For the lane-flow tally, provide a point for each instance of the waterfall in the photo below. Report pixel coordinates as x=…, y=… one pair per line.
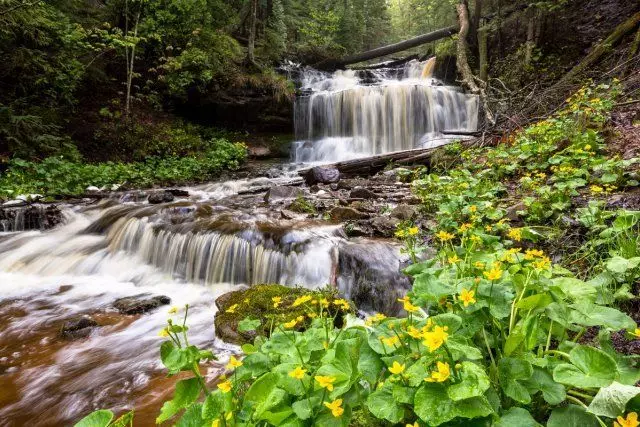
x=350, y=114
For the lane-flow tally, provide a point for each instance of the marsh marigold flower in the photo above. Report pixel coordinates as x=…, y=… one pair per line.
x=444, y=236
x=467, y=297
x=232, y=309
x=233, y=363
x=173, y=310
x=164, y=332
x=225, y=386
x=494, y=274
x=290, y=324
x=390, y=341
x=301, y=300
x=636, y=333
x=441, y=375
x=297, y=373
x=335, y=407
x=413, y=231
x=515, y=234
x=325, y=381
x=276, y=301
x=630, y=421
x=396, y=368
x=434, y=339
x=453, y=259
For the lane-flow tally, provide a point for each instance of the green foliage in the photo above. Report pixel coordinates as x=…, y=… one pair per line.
x=301, y=205
x=58, y=176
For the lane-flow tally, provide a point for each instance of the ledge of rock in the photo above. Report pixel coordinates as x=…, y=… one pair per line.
x=139, y=304
x=78, y=327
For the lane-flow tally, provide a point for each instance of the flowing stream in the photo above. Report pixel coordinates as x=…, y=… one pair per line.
x=218, y=238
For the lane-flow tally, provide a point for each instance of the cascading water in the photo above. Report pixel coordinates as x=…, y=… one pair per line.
x=222, y=236
x=350, y=114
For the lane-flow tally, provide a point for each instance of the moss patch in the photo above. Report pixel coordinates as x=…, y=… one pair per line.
x=257, y=302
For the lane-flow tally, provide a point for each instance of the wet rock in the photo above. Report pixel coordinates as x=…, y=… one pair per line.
x=32, y=217
x=160, y=197
x=404, y=212
x=178, y=192
x=344, y=213
x=362, y=193
x=281, y=193
x=358, y=229
x=628, y=200
x=512, y=211
x=287, y=214
x=384, y=226
x=139, y=304
x=321, y=175
x=259, y=152
x=79, y=327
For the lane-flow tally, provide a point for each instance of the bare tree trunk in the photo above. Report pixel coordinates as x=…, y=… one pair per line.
x=131, y=60
x=530, y=44
x=468, y=79
x=483, y=57
x=252, y=32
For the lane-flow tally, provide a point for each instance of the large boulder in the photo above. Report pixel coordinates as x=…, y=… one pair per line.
x=282, y=193
x=384, y=226
x=139, y=304
x=404, y=212
x=345, y=213
x=321, y=175
x=160, y=197
x=362, y=193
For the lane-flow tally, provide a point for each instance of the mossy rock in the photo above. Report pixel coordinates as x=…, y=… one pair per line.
x=256, y=302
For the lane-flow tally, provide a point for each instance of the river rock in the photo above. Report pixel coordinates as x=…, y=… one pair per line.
x=78, y=327
x=362, y=193
x=404, y=212
x=358, y=229
x=282, y=193
x=160, y=197
x=178, y=192
x=139, y=304
x=384, y=226
x=321, y=175
x=512, y=211
x=344, y=213
x=259, y=152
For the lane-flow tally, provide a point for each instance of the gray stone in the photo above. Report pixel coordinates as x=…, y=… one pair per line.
x=321, y=175
x=78, y=327
x=282, y=193
x=404, y=212
x=384, y=226
x=362, y=193
x=160, y=197
x=139, y=304
x=343, y=213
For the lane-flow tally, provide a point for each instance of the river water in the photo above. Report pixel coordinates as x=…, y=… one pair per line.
x=219, y=237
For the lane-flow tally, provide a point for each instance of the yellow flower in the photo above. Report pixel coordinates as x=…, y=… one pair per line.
x=400, y=233
x=396, y=368
x=325, y=381
x=488, y=228
x=444, y=236
x=476, y=239
x=335, y=407
x=478, y=264
x=232, y=309
x=515, y=234
x=297, y=373
x=413, y=231
x=324, y=302
x=225, y=386
x=473, y=208
x=290, y=324
x=453, y=259
x=300, y=318
x=276, y=301
x=441, y=375
x=636, y=333
x=390, y=341
x=312, y=315
x=543, y=264
x=343, y=303
x=596, y=189
x=414, y=332
x=433, y=340
x=413, y=425
x=494, y=274
x=233, y=363
x=630, y=421
x=467, y=297
x=173, y=310
x=464, y=227
x=533, y=253
x=164, y=332
x=301, y=300
x=215, y=423
x=410, y=308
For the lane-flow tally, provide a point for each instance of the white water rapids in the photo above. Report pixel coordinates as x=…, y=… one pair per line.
x=223, y=235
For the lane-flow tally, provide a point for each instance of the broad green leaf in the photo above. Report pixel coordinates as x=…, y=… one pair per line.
x=403, y=394
x=417, y=372
x=530, y=329
x=612, y=400
x=382, y=404
x=192, y=417
x=100, y=418
x=571, y=416
x=213, y=406
x=535, y=301
x=433, y=405
x=589, y=314
x=369, y=363
x=450, y=320
x=275, y=416
x=516, y=417
x=304, y=408
x=460, y=349
x=590, y=367
x=430, y=287
x=173, y=358
x=247, y=324
x=541, y=380
x=473, y=382
x=575, y=289
x=187, y=391
x=510, y=372
x=620, y=265
x=264, y=393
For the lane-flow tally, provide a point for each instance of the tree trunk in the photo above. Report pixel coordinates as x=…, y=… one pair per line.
x=252, y=32
x=602, y=48
x=530, y=44
x=131, y=60
x=483, y=56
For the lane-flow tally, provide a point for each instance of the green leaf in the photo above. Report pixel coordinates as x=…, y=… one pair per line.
x=460, y=349
x=589, y=314
x=575, y=289
x=433, y=405
x=187, y=391
x=100, y=418
x=382, y=404
x=510, y=372
x=620, y=265
x=125, y=420
x=369, y=363
x=519, y=417
x=249, y=348
x=192, y=417
x=213, y=406
x=474, y=382
x=430, y=287
x=264, y=393
x=589, y=367
x=530, y=328
x=247, y=324
x=173, y=358
x=541, y=380
x=535, y=301
x=571, y=416
x=611, y=401
x=304, y=408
